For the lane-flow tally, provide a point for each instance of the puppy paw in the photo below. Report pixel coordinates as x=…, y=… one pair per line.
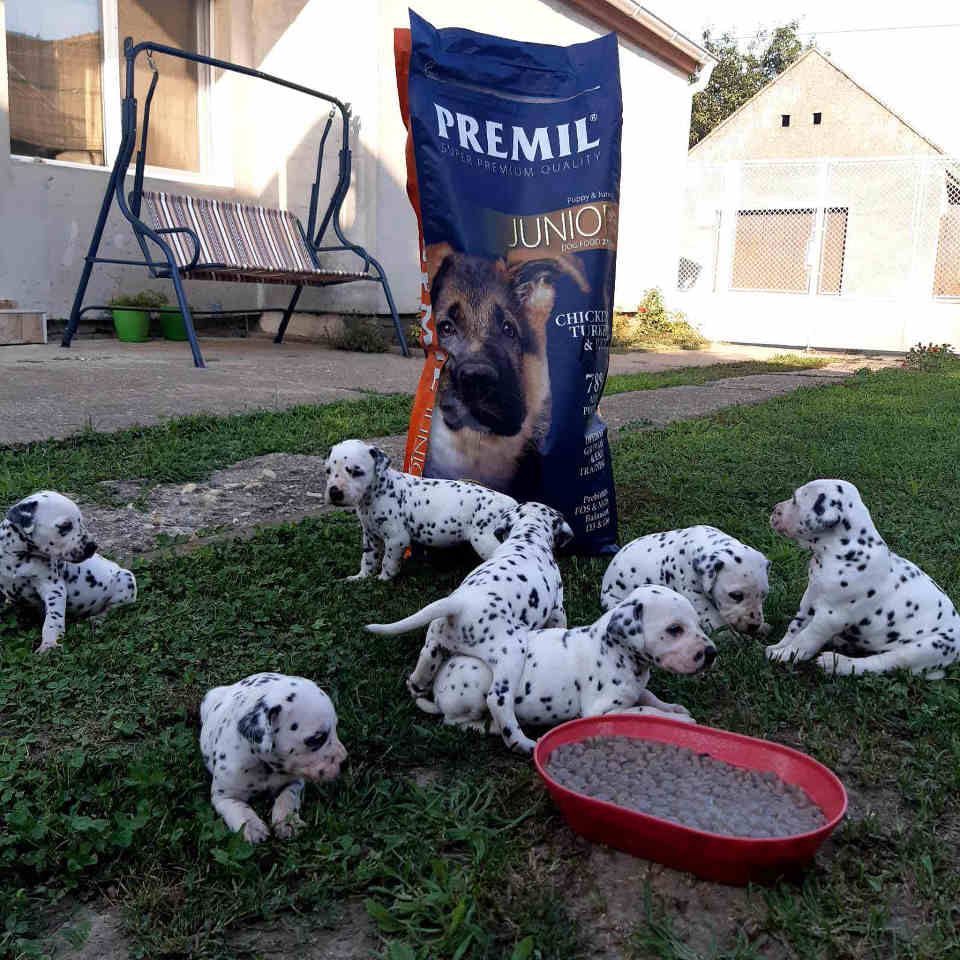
x=287, y=827
x=47, y=646
x=836, y=663
x=385, y=575
x=357, y=576
x=255, y=830
x=764, y=630
x=779, y=654
x=679, y=709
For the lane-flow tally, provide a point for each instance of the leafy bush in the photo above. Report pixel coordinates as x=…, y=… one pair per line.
x=362, y=335
x=653, y=325
x=145, y=300
x=931, y=358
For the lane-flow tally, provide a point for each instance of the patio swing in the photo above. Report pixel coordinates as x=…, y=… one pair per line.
x=204, y=239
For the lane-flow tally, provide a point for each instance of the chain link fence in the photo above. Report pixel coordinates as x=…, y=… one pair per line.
x=842, y=230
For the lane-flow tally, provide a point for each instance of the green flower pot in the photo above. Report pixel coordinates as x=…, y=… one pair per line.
x=173, y=325
x=132, y=326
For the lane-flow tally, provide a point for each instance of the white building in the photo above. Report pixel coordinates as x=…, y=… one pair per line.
x=233, y=137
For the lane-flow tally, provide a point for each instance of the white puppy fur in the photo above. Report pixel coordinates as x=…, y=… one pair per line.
x=586, y=671
x=861, y=597
x=49, y=561
x=489, y=615
x=267, y=733
x=724, y=579
x=397, y=509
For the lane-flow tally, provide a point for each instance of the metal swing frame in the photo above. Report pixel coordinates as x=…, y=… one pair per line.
x=166, y=266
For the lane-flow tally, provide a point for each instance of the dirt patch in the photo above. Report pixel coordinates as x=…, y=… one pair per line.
x=82, y=932
x=347, y=934
x=264, y=491
x=606, y=892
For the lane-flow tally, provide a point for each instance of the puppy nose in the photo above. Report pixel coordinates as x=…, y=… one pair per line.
x=89, y=550
x=709, y=655
x=336, y=494
x=479, y=376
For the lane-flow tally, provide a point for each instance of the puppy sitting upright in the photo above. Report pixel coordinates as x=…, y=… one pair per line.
x=397, y=509
x=490, y=614
x=724, y=579
x=586, y=671
x=49, y=561
x=862, y=598
x=267, y=734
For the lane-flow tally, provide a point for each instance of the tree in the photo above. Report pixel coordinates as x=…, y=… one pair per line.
x=742, y=72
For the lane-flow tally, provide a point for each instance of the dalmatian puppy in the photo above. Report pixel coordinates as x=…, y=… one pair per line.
x=490, y=614
x=586, y=671
x=267, y=734
x=397, y=509
x=724, y=579
x=49, y=561
x=861, y=597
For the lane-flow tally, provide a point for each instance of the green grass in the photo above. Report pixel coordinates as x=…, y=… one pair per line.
x=102, y=787
x=683, y=376
x=189, y=448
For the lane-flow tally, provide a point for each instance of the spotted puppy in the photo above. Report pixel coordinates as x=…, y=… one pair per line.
x=267, y=734
x=861, y=597
x=489, y=615
x=397, y=509
x=586, y=671
x=724, y=579
x=49, y=561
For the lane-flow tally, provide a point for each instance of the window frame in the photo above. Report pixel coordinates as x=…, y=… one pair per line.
x=215, y=168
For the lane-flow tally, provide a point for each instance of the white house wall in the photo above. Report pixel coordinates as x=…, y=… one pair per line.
x=270, y=154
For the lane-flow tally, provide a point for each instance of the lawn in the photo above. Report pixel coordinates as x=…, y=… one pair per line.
x=448, y=843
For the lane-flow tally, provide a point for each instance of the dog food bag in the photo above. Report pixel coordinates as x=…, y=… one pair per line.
x=515, y=163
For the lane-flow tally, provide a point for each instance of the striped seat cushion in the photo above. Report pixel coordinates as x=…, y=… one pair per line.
x=256, y=244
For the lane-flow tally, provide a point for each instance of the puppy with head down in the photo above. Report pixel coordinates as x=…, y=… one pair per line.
x=493, y=395
x=268, y=733
x=724, y=579
x=49, y=561
x=586, y=671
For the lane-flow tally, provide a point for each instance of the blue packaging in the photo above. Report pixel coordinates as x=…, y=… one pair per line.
x=517, y=152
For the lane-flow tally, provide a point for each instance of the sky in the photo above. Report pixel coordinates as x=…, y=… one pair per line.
x=913, y=69
x=53, y=19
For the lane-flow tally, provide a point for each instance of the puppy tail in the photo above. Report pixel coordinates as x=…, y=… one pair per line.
x=427, y=706
x=439, y=608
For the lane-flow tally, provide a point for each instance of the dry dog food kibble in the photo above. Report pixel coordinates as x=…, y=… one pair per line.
x=676, y=783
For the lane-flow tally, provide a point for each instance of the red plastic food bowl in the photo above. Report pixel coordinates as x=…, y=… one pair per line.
x=736, y=860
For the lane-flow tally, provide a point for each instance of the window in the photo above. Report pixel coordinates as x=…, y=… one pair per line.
x=785, y=120
x=60, y=56
x=817, y=117
x=772, y=250
x=54, y=52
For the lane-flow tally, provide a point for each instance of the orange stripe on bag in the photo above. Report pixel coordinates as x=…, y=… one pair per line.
x=418, y=435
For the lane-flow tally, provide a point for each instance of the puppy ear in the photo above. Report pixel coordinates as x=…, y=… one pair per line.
x=708, y=568
x=627, y=620
x=825, y=513
x=258, y=726
x=534, y=284
x=502, y=530
x=380, y=460
x=562, y=534
x=437, y=255
x=23, y=515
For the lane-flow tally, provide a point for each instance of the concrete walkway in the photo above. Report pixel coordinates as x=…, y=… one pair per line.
x=49, y=392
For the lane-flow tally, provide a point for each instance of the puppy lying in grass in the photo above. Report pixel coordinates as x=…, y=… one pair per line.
x=586, y=671
x=267, y=734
